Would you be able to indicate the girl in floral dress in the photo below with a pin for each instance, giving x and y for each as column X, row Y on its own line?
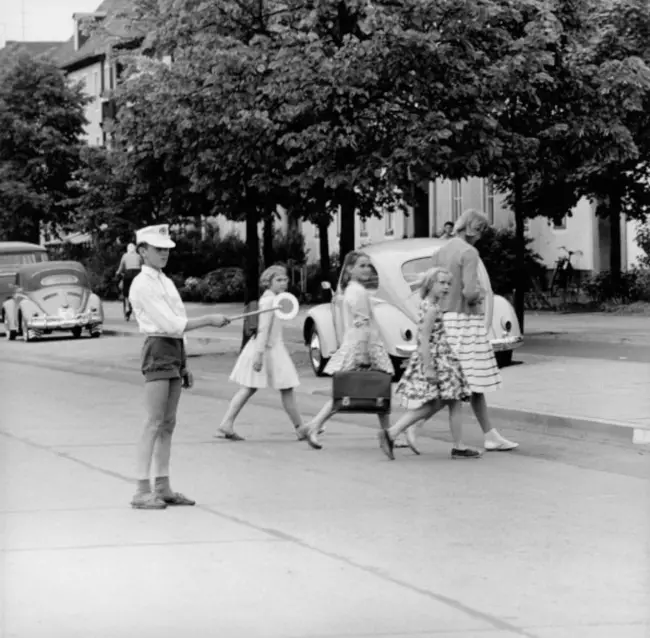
column 265, row 361
column 361, row 345
column 433, row 377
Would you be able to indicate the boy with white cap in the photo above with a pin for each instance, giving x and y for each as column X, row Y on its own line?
column 161, row 316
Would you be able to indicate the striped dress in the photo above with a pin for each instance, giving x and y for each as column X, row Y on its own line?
column 463, row 316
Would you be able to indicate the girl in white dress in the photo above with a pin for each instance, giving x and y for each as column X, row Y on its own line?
column 264, row 362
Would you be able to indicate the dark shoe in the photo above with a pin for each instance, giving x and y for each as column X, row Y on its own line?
column 467, row 453
column 148, row 501
column 386, row 444
column 230, row 436
column 175, row 498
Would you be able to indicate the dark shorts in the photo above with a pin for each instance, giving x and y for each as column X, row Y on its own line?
column 129, row 276
column 163, row 358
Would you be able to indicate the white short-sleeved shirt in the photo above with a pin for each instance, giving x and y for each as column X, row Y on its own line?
column 157, row 305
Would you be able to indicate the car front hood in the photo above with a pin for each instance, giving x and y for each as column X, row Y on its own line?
column 51, row 300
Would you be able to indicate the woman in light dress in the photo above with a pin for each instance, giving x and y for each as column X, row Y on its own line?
column 264, row 362
column 362, row 345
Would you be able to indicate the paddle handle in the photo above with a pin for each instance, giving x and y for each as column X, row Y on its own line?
column 250, row 314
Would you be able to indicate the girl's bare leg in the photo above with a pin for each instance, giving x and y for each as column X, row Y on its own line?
column 384, row 421
column 321, row 418
column 456, row 424
column 493, row 439
column 235, row 407
column 288, row 397
column 411, row 417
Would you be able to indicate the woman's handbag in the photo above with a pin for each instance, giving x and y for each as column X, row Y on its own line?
column 366, row 391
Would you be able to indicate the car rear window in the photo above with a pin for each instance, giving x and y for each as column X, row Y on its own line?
column 19, row 259
column 413, row 270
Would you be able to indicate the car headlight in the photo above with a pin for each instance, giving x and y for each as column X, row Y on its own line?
column 506, row 325
column 407, row 334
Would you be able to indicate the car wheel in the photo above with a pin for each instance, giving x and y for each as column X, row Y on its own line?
column 10, row 335
column 76, row 333
column 399, row 369
column 316, row 358
column 504, row 358
column 27, row 337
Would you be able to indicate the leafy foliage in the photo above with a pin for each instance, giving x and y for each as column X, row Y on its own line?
column 41, row 122
column 498, row 250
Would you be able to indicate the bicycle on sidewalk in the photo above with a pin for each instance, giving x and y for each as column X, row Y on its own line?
column 564, row 273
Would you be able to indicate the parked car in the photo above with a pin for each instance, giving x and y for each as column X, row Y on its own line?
column 52, row 296
column 399, row 266
column 14, row 254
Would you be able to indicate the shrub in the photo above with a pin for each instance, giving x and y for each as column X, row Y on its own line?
column 634, row 286
column 289, row 247
column 497, row 248
column 222, row 285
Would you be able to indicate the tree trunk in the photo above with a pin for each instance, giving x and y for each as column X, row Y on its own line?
column 324, row 248
column 520, row 252
column 252, row 273
column 615, row 240
column 348, row 215
column 268, row 232
column 421, row 211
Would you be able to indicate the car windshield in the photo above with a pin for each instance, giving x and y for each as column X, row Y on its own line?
column 50, row 278
column 20, row 259
column 413, row 270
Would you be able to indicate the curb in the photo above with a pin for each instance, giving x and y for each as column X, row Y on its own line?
column 549, row 421
column 117, row 332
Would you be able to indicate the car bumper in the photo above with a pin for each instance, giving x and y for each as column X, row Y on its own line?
column 498, row 345
column 59, row 323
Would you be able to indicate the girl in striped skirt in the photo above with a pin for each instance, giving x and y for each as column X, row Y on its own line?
column 465, row 321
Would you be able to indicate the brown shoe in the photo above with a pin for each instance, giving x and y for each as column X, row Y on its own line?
column 148, row 501
column 175, row 498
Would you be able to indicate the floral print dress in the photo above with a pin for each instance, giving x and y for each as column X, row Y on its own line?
column 448, row 382
column 358, row 324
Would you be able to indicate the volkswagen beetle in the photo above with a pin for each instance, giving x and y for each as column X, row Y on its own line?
column 399, row 266
column 51, row 296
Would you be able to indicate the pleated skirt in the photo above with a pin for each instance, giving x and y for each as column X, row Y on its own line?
column 468, row 338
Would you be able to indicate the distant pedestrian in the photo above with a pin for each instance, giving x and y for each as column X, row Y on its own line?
column 362, row 344
column 447, row 231
column 161, row 317
column 465, row 320
column 265, row 361
column 129, row 269
column 433, row 376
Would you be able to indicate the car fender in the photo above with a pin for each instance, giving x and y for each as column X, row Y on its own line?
column 27, row 308
column 322, row 318
column 502, row 313
column 9, row 311
column 95, row 302
column 394, row 327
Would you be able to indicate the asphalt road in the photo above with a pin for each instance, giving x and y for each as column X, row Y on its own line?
column 287, row 542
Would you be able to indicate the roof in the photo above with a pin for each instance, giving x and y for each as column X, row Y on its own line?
column 416, row 247
column 114, row 28
column 41, row 50
column 7, row 247
column 32, row 269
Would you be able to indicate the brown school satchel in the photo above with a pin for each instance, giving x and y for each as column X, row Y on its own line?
column 362, row 391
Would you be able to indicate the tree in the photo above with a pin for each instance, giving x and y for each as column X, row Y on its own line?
column 617, row 173
column 41, row 124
